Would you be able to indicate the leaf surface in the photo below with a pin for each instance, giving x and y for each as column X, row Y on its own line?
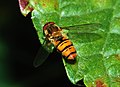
column 98, row 60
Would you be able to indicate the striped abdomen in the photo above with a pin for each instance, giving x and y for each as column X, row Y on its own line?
column 65, row 47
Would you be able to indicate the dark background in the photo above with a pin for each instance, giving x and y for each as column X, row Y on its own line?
column 18, row 46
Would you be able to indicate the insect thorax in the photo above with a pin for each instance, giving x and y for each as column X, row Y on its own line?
column 52, row 32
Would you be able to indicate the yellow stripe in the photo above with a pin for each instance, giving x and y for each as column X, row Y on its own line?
column 67, row 51
column 63, row 45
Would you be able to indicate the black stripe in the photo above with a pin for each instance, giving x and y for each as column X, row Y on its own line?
column 61, row 40
column 70, row 54
column 66, row 47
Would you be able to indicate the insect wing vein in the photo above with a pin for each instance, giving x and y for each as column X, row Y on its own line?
column 83, row 28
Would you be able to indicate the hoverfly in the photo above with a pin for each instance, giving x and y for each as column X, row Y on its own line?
column 54, row 36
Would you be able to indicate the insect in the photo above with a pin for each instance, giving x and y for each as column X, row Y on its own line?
column 53, row 33
column 54, row 36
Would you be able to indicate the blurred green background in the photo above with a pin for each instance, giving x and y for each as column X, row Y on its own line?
column 18, row 46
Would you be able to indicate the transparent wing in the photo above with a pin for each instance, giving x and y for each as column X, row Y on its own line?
column 83, row 33
column 42, row 54
column 84, row 28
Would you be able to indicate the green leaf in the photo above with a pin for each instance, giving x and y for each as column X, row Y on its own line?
column 98, row 60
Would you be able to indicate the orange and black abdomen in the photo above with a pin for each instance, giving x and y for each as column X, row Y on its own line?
column 66, row 48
